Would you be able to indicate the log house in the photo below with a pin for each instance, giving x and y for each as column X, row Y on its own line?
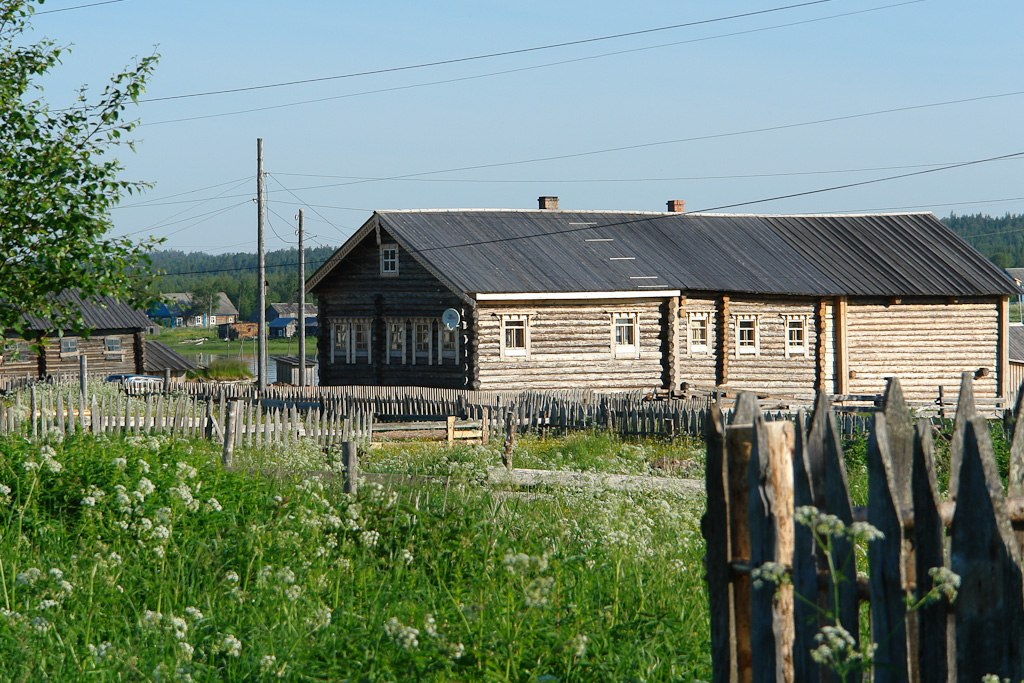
column 553, row 299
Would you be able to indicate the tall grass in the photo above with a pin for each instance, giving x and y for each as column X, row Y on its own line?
column 141, row 558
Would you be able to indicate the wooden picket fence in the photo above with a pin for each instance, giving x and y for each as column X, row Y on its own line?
column 45, row 413
column 759, row 472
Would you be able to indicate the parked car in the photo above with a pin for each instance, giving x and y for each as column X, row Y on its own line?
column 133, row 383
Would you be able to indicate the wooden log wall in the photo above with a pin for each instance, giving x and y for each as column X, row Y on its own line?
column 571, row 346
column 100, row 361
column 921, row 342
column 770, row 370
column 761, row 474
column 698, row 369
column 360, row 291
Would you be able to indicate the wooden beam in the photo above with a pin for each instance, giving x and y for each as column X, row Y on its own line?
column 842, row 364
column 580, row 296
column 675, row 305
column 1003, row 358
column 722, row 341
column 822, row 348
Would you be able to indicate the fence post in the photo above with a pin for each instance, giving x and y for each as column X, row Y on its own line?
column 350, row 461
column 33, row 409
column 227, row 455
column 770, row 518
column 83, row 369
column 510, row 440
column 450, row 428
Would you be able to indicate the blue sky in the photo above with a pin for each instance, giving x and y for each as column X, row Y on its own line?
column 834, row 59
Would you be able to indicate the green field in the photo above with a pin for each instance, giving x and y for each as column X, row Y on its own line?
column 141, row 558
column 192, row 340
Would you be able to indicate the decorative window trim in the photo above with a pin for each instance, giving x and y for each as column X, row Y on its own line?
column 452, row 351
column 515, row 352
column 693, row 347
column 795, row 350
column 344, row 348
column 395, row 326
column 425, row 357
column 743, row 347
column 198, row 320
column 213, row 320
column 389, row 260
column 625, row 320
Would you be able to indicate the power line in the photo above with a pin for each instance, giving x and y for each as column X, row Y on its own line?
column 647, row 218
column 150, row 202
column 696, row 138
column 489, row 55
column 68, row 9
column 504, row 72
column 322, row 217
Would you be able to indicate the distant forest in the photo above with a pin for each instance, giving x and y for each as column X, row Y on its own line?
column 235, row 274
column 1000, row 238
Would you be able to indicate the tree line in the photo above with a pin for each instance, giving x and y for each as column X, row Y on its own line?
column 234, row 274
column 1000, row 238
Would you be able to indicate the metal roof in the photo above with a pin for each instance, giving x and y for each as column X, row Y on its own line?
column 488, row 251
column 99, row 313
column 160, row 357
column 1016, row 339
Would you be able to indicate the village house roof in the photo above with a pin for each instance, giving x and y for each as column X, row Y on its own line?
column 98, row 313
column 289, row 310
column 538, row 251
column 160, row 357
column 180, row 303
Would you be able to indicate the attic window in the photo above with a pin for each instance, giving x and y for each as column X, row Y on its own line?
column 389, row 260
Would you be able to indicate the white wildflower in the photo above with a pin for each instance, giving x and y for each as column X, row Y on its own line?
column 119, row 463
column 407, row 556
column 430, row 625
column 370, row 538
column 406, row 637
column 186, row 649
column 945, row 582
column 578, row 645
column 267, row 662
column 231, row 577
column 99, row 651
column 47, row 604
column 180, row 627
column 293, row 592
column 151, row 618
column 214, row 504
column 186, row 471
column 321, row 618
column 769, row 572
column 56, row 573
column 538, row 591
column 231, row 645
column 5, row 493
column 285, row 575
column 456, row 650
column 41, row 624
column 145, row 487
column 28, row 577
column 193, row 613
column 65, row 587
column 30, row 465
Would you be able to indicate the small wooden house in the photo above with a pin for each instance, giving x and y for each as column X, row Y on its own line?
column 287, row 368
column 177, row 310
column 116, row 344
column 549, row 299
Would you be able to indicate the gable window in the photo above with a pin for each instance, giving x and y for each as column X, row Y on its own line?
column 796, row 335
column 515, row 336
column 748, row 335
column 68, row 346
column 697, row 330
column 625, row 335
column 389, row 260
column 447, row 345
column 422, row 341
column 396, row 342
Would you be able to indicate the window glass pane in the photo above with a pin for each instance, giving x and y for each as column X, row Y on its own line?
column 448, row 342
column 747, row 337
column 515, row 334
column 422, row 338
column 68, row 345
column 625, row 331
column 112, row 344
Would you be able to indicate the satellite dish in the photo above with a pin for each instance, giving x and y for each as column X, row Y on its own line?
column 451, row 318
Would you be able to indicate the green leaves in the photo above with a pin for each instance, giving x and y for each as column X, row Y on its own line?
column 59, row 178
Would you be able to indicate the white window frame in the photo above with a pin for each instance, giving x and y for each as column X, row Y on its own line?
column 802, row 349
column 344, row 348
column 692, row 346
column 447, row 351
column 389, row 260
column 516, row 352
column 198, row 321
column 426, row 356
column 213, row 320
column 625, row 320
column 749, row 349
column 68, row 347
column 396, row 326
column 179, row 321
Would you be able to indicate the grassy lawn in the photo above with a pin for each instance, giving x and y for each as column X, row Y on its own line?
column 141, row 558
column 186, row 340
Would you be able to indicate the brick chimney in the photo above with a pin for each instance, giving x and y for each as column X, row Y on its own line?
column 548, row 203
column 675, row 205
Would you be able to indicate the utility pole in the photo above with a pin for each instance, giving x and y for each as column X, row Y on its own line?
column 302, row 306
column 261, row 284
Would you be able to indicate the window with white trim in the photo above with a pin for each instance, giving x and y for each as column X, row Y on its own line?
column 213, row 320
column 625, row 335
column 796, row 335
column 396, row 341
column 389, row 260
column 350, row 342
column 69, row 346
column 697, row 331
column 748, row 335
column 447, row 345
column 199, row 320
column 423, row 342
column 515, row 336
